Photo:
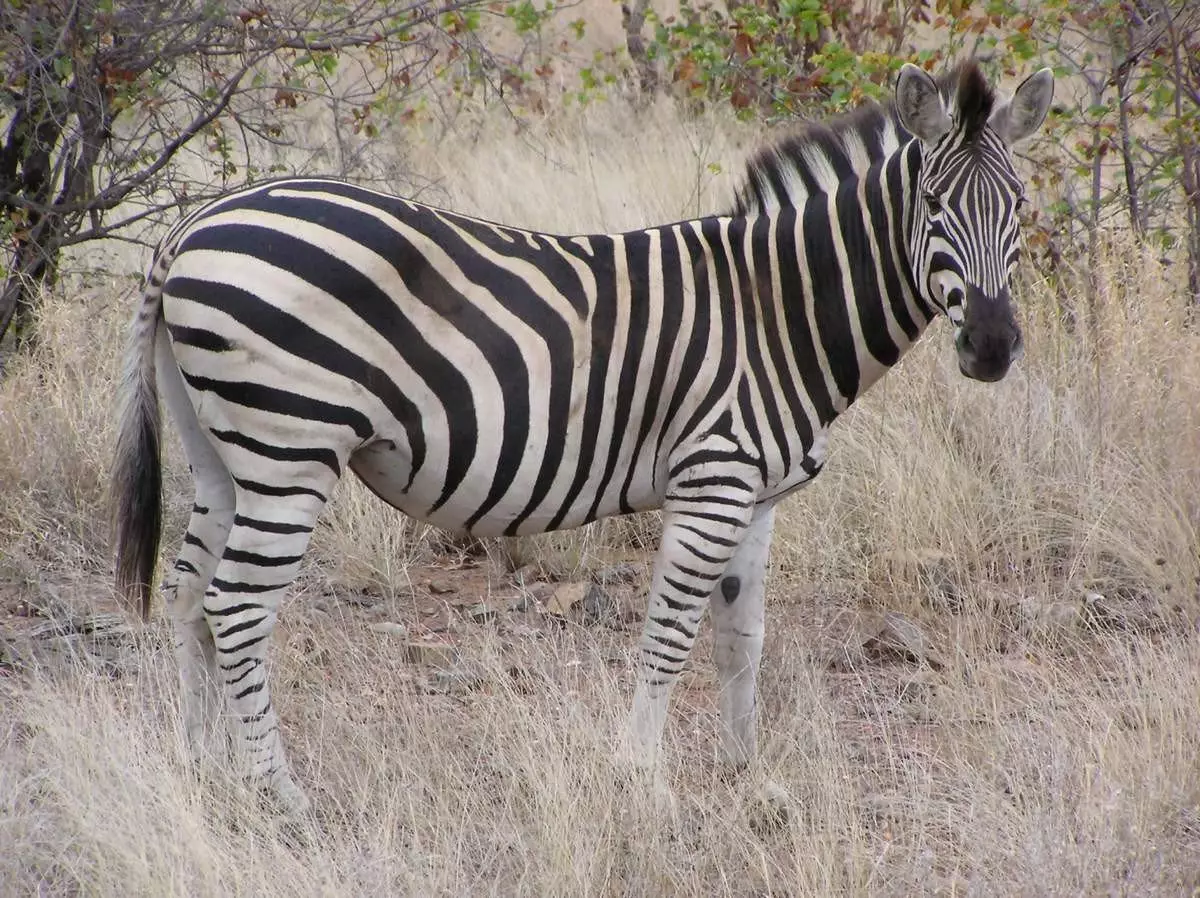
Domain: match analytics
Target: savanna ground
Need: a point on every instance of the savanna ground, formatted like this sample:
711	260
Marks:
981	674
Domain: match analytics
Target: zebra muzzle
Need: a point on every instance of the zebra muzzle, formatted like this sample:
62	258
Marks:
990	339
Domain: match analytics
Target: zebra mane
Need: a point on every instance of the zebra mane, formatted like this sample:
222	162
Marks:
818	156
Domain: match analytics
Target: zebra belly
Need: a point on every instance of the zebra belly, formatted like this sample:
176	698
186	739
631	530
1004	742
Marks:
386	469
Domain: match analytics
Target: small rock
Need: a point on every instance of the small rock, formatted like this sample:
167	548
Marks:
457	680
566	597
621	572
361	600
389	628
440	588
897	637
588	601
527	573
918	685
482	613
524	603
598	607
439	654
1051	617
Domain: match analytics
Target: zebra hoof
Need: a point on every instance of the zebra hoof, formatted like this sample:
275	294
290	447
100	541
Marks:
290	799
647	791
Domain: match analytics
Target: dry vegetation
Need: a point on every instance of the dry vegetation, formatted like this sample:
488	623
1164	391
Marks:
1042	532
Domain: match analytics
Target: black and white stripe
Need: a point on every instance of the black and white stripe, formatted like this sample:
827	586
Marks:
502	381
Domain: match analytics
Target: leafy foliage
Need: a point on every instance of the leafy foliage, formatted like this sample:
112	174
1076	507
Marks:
105	100
116	112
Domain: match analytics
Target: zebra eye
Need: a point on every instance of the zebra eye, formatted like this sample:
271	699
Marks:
933	204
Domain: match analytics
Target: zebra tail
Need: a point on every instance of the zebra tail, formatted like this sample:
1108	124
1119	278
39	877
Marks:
136	484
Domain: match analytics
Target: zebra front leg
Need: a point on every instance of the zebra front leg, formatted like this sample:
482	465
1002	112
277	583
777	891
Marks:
261	558
738	615
700	536
738	622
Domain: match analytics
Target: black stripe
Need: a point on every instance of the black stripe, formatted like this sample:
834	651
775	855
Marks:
228	586
723	303
232	609
671	302
771	341
242	627
199	338
708	537
264	489
711	480
703	556
245	673
698	592
673	604
794	303
261	560
692	364
868	301
603	326
692	572
675	664
876	210
672	643
708	457
270	526
250	690
829	299
326	457
284	402
714	518
708	499
906	164
190	539
242	645
750	423
637	260
673	623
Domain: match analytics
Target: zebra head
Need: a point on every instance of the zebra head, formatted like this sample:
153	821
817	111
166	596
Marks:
963	229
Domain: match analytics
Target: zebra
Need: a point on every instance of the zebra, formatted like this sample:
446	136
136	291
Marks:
496	380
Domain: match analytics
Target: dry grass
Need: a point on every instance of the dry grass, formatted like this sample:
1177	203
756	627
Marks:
1043	531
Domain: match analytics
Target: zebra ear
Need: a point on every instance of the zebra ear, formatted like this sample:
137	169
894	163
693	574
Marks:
1021	116
919	104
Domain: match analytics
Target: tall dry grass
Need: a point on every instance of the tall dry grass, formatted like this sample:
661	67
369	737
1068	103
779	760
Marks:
1043	532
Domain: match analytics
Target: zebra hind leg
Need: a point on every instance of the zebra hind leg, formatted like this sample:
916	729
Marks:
700	536
185	583
269	536
737	610
195	651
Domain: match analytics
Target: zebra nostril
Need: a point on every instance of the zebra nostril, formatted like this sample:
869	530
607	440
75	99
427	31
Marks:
1018	346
